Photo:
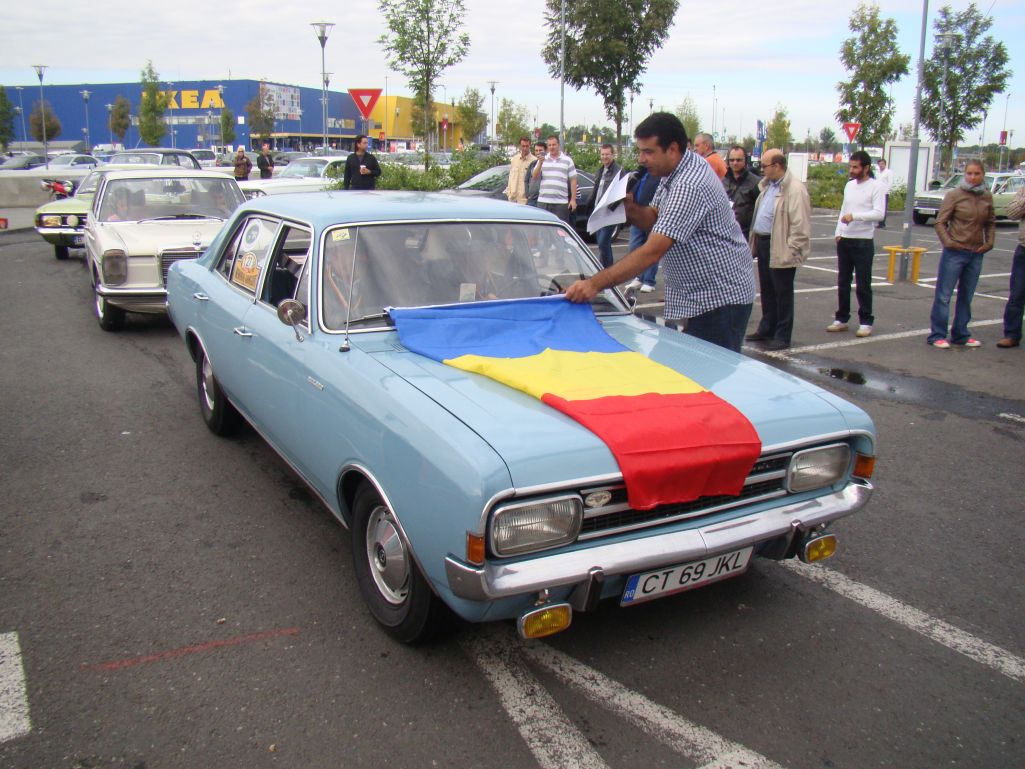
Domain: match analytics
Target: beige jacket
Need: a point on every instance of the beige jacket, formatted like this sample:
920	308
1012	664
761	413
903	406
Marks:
516	189
790	245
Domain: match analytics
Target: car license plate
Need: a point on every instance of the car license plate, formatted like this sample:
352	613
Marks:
77	240
675	579
927	210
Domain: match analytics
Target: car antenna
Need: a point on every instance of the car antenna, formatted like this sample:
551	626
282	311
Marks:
345	346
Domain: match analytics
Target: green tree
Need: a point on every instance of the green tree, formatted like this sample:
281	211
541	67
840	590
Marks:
470	110
227	126
120	119
419	117
777	132
35	122
961	78
422	41
547	129
873	60
748	143
827	138
6	119
607	46
261	114
688	114
513	122
152	106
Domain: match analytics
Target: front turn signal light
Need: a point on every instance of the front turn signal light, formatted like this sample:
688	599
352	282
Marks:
474	549
545	620
864	466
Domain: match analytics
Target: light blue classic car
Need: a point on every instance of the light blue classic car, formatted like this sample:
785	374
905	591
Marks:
464	494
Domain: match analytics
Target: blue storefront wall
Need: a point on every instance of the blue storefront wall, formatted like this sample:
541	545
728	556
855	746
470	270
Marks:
193	117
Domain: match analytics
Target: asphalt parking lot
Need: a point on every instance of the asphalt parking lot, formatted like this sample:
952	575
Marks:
172	599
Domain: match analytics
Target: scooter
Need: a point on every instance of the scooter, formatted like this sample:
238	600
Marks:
58	188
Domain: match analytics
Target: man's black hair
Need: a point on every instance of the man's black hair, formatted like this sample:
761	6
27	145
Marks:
359	138
665	127
865	159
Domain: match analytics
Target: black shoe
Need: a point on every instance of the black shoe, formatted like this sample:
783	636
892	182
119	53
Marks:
777	344
755	337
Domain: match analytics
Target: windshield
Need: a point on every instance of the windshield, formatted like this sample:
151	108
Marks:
203	154
493	179
62	160
366	269
132	200
89	183
304	167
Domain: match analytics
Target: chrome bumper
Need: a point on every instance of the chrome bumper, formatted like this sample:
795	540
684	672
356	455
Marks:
145	300
501	580
68	233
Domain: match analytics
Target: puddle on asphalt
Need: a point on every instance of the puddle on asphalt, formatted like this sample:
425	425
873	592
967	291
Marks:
880	382
848	376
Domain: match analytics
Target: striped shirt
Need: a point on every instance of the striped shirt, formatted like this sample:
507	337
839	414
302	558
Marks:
709	264
555	176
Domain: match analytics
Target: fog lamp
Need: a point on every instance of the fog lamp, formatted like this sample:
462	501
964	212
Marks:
818	548
544	621
72	220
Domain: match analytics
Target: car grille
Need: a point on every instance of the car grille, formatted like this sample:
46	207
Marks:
766	480
167	258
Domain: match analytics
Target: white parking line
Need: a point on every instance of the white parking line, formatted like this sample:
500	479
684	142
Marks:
14	718
685	737
942	632
1012	417
923	332
550	735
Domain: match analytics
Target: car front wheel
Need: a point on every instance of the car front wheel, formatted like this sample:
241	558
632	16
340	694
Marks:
61	252
391	583
111	318
919	218
219	415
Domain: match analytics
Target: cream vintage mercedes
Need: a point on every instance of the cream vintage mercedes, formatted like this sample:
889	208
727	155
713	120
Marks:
143	221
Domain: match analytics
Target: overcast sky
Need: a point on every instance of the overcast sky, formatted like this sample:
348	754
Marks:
734	61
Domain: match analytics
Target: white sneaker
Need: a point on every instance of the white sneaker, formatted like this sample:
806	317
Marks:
633	285
837	325
863	330
646	289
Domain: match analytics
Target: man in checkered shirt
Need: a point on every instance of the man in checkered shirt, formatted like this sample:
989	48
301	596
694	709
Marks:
707	263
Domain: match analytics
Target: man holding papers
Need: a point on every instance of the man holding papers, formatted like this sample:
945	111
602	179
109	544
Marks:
709	278
609	172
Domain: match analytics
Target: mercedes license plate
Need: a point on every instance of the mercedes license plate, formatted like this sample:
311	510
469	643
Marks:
676	579
77	240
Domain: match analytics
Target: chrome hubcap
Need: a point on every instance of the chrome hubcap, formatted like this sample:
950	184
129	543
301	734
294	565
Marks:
387	556
208	384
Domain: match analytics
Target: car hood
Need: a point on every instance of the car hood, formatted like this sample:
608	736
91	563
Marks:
79	204
540	445
153	237
935	195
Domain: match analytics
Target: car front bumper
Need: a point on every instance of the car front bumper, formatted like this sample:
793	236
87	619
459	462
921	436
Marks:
577	568
145	300
63	236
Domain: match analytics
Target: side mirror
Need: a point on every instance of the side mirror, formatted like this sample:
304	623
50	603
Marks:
292	312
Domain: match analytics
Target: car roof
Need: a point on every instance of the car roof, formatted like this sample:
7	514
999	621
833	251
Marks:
324	209
160	172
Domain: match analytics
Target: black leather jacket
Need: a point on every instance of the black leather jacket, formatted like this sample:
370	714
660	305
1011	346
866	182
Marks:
743	192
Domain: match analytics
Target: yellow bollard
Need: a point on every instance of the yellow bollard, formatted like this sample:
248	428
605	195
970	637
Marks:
892	251
916	261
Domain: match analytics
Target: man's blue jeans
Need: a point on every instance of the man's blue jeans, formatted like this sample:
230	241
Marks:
638	238
1016	299
604	238
961	269
724	326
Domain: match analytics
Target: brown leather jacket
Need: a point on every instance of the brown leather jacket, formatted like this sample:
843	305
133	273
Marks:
967	221
243	165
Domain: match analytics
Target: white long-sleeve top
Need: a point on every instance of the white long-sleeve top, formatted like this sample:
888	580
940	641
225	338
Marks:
866	202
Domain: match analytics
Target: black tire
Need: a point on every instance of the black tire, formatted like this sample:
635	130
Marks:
918	218
111	318
219	415
391	583
61	252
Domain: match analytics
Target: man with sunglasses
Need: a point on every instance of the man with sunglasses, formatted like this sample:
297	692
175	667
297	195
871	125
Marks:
741	185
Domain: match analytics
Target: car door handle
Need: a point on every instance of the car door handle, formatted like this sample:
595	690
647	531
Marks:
241	331
199	297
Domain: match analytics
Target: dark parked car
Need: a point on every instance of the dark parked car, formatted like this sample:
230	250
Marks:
492	183
22	162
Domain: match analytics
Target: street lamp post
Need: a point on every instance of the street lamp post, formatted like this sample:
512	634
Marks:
909	199
21	111
110	128
1007	100
40	71
323	29
170	120
324	101
88	138
18	111
493	136
444	133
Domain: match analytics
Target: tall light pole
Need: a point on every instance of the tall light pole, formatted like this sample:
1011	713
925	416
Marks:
909	200
18	111
1007	100
562	72
170	120
21	110
493	137
110	128
324	99
88	138
384	144
323	29
40	71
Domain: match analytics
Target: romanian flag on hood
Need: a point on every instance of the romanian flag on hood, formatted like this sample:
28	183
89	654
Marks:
674	440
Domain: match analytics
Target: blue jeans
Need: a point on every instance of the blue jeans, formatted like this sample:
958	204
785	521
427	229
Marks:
961	269
1016	299
604	238
724	326
638	238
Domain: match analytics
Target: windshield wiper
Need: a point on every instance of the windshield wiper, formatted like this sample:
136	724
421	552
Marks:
181	216
370	316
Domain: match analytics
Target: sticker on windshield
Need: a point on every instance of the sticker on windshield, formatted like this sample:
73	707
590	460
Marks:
337	235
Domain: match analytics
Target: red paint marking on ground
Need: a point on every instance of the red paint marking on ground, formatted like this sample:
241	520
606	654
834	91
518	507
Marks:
161	656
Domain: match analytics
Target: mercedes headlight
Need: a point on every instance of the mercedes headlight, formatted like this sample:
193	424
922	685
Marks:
115	267
815	468
525	527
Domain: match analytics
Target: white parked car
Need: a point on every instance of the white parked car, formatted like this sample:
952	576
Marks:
311	174
206	158
143	221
